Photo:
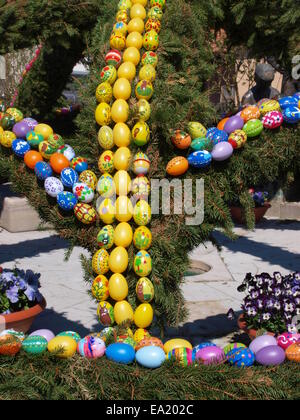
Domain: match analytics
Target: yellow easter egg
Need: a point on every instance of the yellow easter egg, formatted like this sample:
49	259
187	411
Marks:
159	3
142	264
122	16
155	13
151	40
1	132
120	111
106	162
103	114
142	238
176	343
118	41
196	130
122	182
105	238
106	186
123	235
44	129
121	135
142	213
105	137
100	262
141	334
148	73
144	90
118	260
108	74
143	110
141	133
122	159
141	164
142	2
134	39
64	347
123	312
127	70
131	55
89	178
143	315
121	27
138	11
107	211
7	139
124	4
104	93
100	288
136	25
124	209
140	187
144	290
122	89
118	287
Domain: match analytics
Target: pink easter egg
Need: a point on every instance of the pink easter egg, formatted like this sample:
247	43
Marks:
287	339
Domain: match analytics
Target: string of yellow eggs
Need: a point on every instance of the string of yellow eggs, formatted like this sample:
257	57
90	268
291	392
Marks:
130	36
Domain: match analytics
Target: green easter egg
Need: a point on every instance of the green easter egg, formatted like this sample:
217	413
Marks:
201	143
35	344
253	128
70	334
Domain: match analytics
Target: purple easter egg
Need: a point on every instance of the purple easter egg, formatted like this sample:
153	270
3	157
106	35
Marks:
262	342
270	356
21	129
234	123
47	334
210	355
31	122
222	151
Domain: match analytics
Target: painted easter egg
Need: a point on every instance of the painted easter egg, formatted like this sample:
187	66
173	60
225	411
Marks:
106	138
127	340
145	290
20	147
103	114
108	74
7	122
153	24
2	106
287	339
53	186
143	110
105	237
262	341
100	262
105	313
250	113
270	356
293	353
66	200
288	101
47	334
83	192
196	130
177	166
118	287
155	13
200	159
21	129
253	128
240	357
63	347
219	136
46	150
233	346
210	355
18	334
118	40
100	288
124	4
106	334
106	186
35	344
272	120
69	177
153	341
151	357
141	164
34	139
141	133
181	139
144	90
7	139
140	187
9	345
91	347
175	344
122	28
234	123
30	122
85	213
142	213
104	93
71	334
89	178
143	315
123	235
183	356
202	346
222	151
122	16
107	211
114	57
67	151
237	139
151	40
201	144
210	132
120	353
142	238
106	162
142	264
55	140
80	164
150	57
123	312
159	3
291	115
141	334
15	113
268	106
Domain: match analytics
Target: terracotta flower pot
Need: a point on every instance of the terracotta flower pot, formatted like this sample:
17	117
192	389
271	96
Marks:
22	321
237	213
251	332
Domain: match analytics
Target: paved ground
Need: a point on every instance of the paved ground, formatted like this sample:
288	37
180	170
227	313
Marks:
272	246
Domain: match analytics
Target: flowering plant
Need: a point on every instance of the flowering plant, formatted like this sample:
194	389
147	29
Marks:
259	197
272	303
19	290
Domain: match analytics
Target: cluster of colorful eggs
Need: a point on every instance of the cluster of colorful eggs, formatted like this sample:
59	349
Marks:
150	352
218	143
132	31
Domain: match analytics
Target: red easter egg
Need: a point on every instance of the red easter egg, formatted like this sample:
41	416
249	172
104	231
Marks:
286	339
58	162
177	166
31	158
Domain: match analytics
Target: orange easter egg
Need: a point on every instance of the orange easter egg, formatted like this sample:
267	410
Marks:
222	123
177	166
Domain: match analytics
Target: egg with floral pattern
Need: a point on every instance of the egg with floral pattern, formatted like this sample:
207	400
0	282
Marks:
141	164
85	213
100	262
105	237
104	92
159	3
108	74
142	238
114	57
7	139
141	133
53	186
66	200
69	177
20	147
100	288
237	139
34	139
272	120
105	313
151	40
288	101
106	186
106	162
67	151
144	90
286	339
150	57
144	290
142	264
142	213
153	24
83	192
46	150
43	170
15	113
80	164
155	13
89	178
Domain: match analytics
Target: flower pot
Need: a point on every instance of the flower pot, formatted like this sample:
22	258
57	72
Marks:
237	213
251	332
22	321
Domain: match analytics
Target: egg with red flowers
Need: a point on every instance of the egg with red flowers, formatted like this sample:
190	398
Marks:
181	139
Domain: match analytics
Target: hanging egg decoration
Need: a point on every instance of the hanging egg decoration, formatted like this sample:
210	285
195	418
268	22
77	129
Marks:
107	211
100	262
144	90
153	24
272	120
155	13
151	40
104	93
120	27
105	137
141	133
142	264
200	159
69	177
118	39
106	162
141	164
103	114
105	237
108	74
142	213
143	110
237	139
100	288
142	238
106	186
144	290
66	200
85	213
150	57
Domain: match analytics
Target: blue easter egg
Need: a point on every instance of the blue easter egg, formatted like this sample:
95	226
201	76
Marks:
20	147
120	353
297	95
219	136
202	346
291	115
210	132
288	101
241	357
69	177
151	357
66	200
43	170
200	159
